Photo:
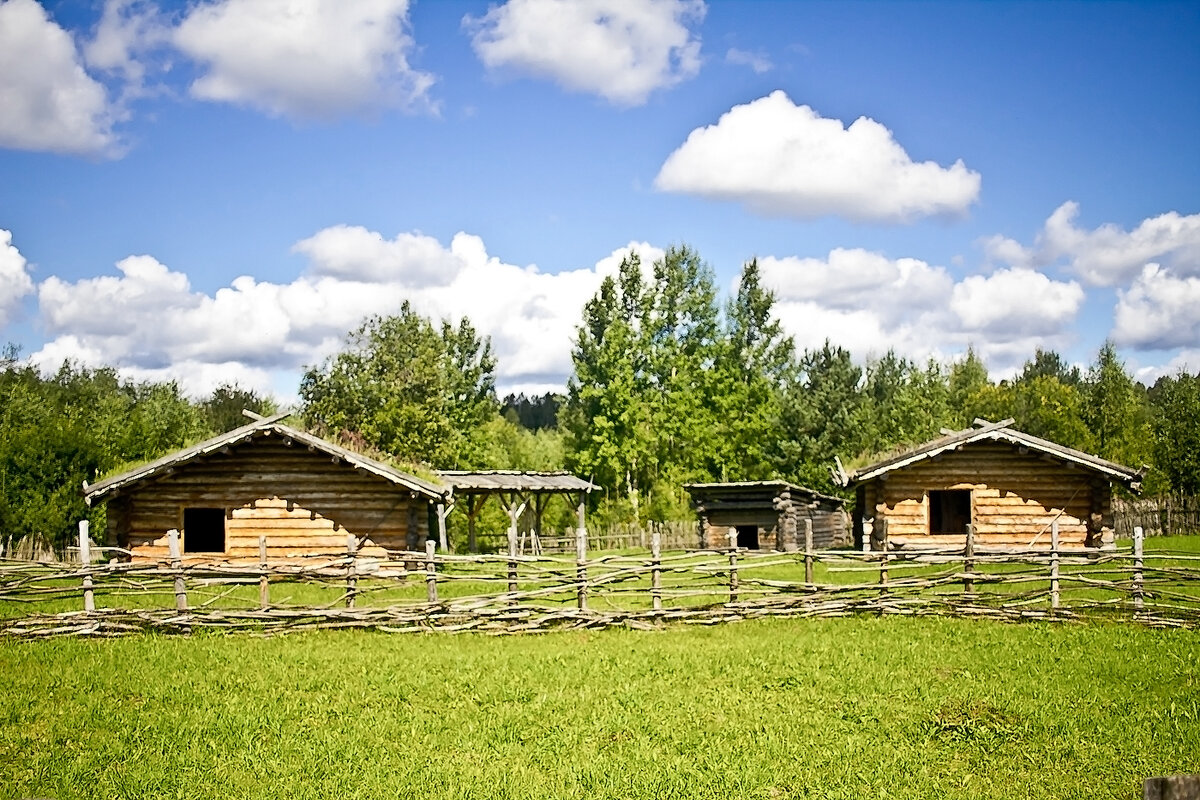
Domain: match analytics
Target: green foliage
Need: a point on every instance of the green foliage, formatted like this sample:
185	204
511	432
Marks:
408	389
1114	410
223	408
1176	403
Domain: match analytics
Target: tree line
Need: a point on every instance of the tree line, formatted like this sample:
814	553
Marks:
669	385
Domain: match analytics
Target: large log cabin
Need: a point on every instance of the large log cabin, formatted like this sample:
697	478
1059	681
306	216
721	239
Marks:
266	479
1011	487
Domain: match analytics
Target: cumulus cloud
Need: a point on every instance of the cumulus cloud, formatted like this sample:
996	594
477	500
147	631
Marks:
304	58
621	50
156	326
15	282
756	61
49	101
1159	310
121	41
870	303
784	160
1110	255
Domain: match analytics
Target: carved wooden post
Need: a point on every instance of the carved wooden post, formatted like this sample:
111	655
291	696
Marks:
733	567
656	571
809	555
351	570
581	564
430	571
969	561
1054	563
1138	586
264	587
85	558
177	567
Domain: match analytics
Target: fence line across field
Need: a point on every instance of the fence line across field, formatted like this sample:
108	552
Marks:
509	591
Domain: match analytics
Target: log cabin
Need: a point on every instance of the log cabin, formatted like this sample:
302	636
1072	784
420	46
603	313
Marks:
766	515
304	494
1009	486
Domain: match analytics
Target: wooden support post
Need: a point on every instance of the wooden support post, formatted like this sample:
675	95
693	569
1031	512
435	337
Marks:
1138	554
177	567
351	570
969	561
1055	599
264	586
883	559
656	571
512	556
443	542
430	571
733	566
581	567
85	558
809	555
868	527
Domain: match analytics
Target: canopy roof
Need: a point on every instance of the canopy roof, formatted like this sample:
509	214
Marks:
488	481
266	426
998	432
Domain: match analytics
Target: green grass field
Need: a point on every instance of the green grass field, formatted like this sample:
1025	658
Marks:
842	708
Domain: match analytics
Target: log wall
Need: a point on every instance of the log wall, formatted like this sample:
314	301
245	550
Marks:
300	499
1015	497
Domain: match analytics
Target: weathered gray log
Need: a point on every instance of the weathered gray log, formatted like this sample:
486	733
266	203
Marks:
181	603
1172	787
85	558
581	574
431	592
1055	600
809	555
969	561
733	566
1138	587
656	571
264	581
351	570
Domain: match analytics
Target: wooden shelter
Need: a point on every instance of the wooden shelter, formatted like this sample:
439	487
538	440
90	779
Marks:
766	515
1011	487
304	494
519	493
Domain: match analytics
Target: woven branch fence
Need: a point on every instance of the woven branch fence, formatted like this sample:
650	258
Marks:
505	594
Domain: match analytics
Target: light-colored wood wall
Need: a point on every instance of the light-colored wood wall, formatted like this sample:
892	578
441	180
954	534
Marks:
1014	498
301	500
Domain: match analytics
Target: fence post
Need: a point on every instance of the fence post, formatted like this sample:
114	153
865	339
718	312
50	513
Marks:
264	586
351	570
1138	588
177	567
85	558
656	571
430	570
733	567
808	551
1054	595
581	544
883	559
969	561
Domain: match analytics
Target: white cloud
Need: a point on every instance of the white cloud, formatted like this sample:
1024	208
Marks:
304	58
784	160
757	61
15	282
1109	255
869	303
49	102
1160	310
127	30
155	326
621	50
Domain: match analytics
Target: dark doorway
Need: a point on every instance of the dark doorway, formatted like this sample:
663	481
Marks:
204	530
949	511
747	536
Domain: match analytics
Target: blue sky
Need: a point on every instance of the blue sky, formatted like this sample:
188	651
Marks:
220	190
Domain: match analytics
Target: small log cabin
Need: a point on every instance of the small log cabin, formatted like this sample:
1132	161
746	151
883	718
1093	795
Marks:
302	493
766	515
1011	487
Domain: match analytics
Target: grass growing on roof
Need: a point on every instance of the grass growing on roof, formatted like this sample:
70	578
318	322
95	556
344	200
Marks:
842	708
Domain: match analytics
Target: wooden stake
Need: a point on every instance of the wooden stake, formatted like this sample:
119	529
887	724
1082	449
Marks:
883	560
430	571
1138	587
85	557
656	570
443	542
581	567
512	555
351	570
177	566
264	587
969	561
733	570
1055	599
809	555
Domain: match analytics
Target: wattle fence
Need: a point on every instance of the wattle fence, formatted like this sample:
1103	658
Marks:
513	593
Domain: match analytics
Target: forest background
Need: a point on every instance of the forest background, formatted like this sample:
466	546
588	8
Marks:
670	385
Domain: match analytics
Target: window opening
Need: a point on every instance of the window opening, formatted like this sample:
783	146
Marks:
949	511
204	530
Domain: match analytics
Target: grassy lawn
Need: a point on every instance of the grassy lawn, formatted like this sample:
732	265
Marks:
843	708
